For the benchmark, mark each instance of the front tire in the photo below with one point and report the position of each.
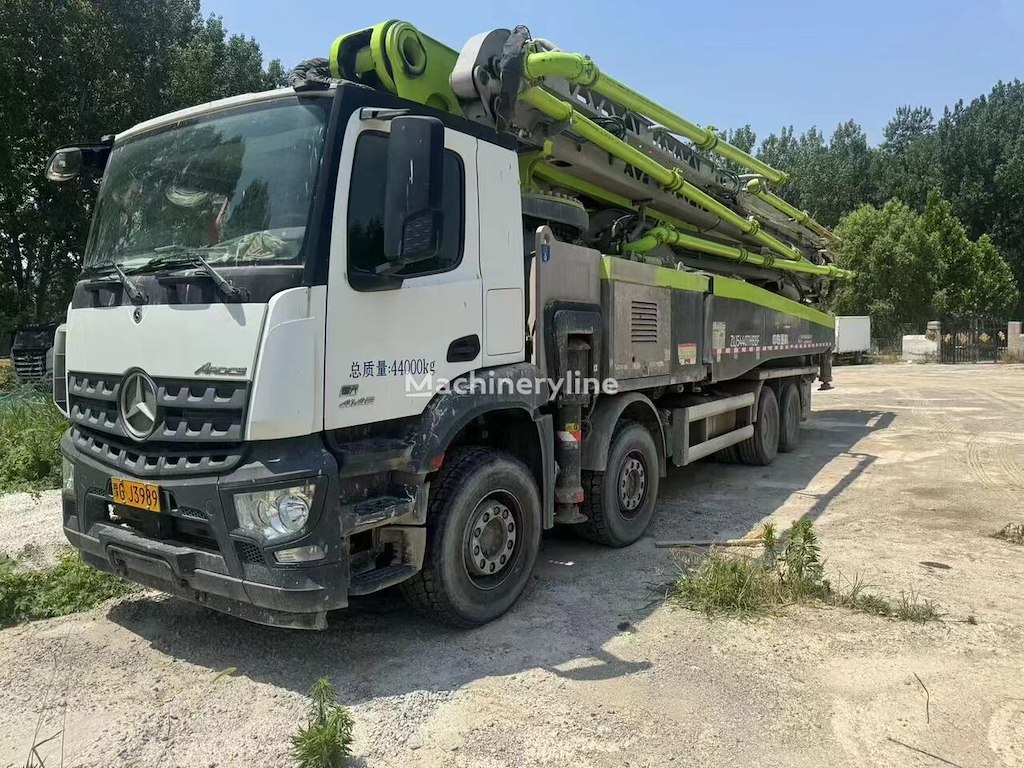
(483, 535)
(619, 502)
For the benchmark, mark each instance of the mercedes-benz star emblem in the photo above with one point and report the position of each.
(138, 405)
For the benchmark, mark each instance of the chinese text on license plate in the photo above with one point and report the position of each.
(138, 495)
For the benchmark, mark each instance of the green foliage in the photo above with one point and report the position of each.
(729, 585)
(723, 584)
(30, 431)
(326, 741)
(77, 70)
(8, 379)
(912, 267)
(68, 587)
(803, 571)
(973, 156)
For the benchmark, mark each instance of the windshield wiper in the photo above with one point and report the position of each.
(228, 288)
(194, 259)
(136, 294)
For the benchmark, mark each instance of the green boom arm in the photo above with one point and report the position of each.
(580, 69)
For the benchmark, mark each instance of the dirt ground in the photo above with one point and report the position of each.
(907, 471)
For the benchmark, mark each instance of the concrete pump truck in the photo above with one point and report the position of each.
(341, 336)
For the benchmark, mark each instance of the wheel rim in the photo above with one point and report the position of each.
(492, 541)
(632, 484)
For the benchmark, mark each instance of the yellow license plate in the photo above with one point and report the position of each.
(138, 495)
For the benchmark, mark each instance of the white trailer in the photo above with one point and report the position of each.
(853, 338)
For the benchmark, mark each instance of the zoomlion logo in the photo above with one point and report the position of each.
(209, 369)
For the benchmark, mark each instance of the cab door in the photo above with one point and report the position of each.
(383, 341)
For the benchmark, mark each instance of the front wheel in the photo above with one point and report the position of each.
(483, 534)
(619, 502)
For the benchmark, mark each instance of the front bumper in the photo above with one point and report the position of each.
(194, 550)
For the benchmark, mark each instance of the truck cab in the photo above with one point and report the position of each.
(214, 425)
(32, 353)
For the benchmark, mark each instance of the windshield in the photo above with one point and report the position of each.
(33, 339)
(235, 186)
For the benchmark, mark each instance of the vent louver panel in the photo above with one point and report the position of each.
(643, 322)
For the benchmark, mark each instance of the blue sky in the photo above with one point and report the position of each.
(803, 62)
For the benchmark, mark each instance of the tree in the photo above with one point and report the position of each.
(912, 267)
(906, 164)
(981, 153)
(74, 70)
(896, 274)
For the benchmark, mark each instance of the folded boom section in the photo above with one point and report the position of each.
(655, 186)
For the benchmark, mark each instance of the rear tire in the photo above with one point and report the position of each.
(761, 449)
(790, 414)
(619, 502)
(483, 535)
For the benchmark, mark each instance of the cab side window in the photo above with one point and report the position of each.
(366, 211)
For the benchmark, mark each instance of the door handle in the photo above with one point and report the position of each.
(463, 350)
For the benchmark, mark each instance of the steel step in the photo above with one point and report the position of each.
(379, 578)
(375, 511)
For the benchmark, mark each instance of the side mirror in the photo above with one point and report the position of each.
(413, 217)
(69, 163)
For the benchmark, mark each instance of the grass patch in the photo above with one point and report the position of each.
(326, 741)
(68, 587)
(8, 378)
(736, 585)
(1012, 532)
(30, 432)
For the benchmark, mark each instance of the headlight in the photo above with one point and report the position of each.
(68, 475)
(277, 513)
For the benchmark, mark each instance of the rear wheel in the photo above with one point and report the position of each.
(483, 534)
(619, 502)
(760, 449)
(789, 417)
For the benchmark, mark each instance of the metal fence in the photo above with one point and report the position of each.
(977, 339)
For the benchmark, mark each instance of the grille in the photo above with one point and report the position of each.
(187, 411)
(643, 322)
(249, 553)
(156, 460)
(30, 366)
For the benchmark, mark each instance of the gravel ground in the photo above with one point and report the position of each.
(907, 470)
(30, 527)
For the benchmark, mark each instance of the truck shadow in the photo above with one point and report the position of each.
(580, 597)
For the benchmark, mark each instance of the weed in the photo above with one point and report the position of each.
(1012, 532)
(68, 587)
(911, 607)
(724, 584)
(803, 570)
(30, 432)
(326, 741)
